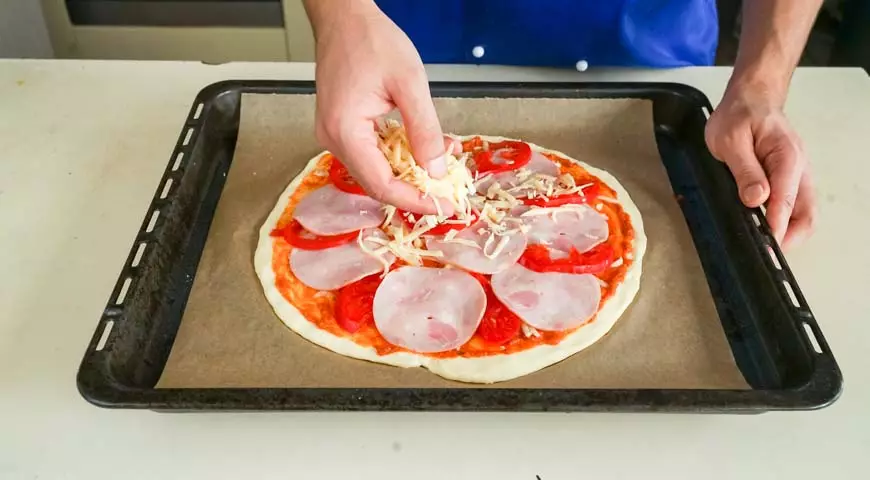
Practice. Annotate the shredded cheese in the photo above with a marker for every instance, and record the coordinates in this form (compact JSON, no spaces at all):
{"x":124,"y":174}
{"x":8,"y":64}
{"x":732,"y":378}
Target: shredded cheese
{"x":488,"y":243}
{"x":546,"y":186}
{"x":466,"y":242}
{"x":494,"y":208}
{"x":405,"y":246}
{"x":530,"y":331}
{"x":380,"y":256}
{"x":498,"y":248}
{"x":552,"y":210}
{"x":524,"y":173}
{"x":456,"y":185}
{"x":390,"y":210}
{"x":416,"y":233}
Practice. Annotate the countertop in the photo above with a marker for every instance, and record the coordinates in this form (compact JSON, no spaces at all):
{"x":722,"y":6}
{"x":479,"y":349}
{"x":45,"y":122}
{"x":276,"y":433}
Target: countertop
{"x":82,"y":146}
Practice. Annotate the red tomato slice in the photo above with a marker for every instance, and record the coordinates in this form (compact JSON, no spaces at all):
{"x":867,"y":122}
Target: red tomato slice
{"x":298,"y":237}
{"x":499,"y":325}
{"x":354,"y":303}
{"x":342,"y":179}
{"x":587,"y":195}
{"x":440,"y":229}
{"x":474,"y":143}
{"x":537,"y":258}
{"x":518,"y":155}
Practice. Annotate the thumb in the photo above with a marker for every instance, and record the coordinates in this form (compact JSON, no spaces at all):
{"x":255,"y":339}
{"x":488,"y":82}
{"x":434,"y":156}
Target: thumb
{"x":739,"y":154}
{"x":414,"y":102}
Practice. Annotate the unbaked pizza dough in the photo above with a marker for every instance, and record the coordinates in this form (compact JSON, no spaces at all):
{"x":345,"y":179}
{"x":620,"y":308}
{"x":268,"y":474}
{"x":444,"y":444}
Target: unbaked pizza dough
{"x":483,"y":369}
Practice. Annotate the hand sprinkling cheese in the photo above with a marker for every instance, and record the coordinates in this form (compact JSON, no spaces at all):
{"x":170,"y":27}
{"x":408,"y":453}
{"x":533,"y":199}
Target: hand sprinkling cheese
{"x":454,"y":187}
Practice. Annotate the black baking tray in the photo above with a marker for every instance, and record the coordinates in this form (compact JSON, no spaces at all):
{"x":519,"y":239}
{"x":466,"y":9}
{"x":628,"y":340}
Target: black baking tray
{"x":774,"y":336}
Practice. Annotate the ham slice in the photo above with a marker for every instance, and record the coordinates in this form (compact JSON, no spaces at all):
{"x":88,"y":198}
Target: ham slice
{"x":548,"y":301}
{"x":428,"y":310}
{"x":333,"y":268}
{"x":581,"y":227}
{"x":538,"y":164}
{"x":499,"y":254}
{"x":330,"y":211}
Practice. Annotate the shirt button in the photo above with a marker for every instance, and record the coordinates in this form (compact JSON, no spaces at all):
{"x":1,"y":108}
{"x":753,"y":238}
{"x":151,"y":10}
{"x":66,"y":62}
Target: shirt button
{"x":477,"y":52}
{"x":582,"y":65}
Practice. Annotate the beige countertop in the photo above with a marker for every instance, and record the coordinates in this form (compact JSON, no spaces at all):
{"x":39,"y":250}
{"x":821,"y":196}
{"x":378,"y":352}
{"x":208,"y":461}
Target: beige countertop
{"x":82,"y":146}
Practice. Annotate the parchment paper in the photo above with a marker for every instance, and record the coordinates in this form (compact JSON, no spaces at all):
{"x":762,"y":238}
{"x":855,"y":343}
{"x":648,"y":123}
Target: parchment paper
{"x":670,"y":337}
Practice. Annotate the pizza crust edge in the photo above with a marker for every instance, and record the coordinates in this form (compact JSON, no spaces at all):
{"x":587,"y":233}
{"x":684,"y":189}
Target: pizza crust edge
{"x":490,"y":369}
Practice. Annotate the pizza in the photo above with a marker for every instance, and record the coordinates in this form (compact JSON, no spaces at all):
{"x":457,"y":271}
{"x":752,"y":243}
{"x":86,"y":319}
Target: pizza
{"x":536,"y":260}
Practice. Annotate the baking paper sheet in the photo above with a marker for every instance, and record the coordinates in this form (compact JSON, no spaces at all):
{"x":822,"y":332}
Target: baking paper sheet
{"x":670,"y":337}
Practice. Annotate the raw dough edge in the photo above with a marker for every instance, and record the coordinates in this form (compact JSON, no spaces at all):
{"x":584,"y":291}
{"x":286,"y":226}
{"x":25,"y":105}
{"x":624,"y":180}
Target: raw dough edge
{"x":490,"y":369}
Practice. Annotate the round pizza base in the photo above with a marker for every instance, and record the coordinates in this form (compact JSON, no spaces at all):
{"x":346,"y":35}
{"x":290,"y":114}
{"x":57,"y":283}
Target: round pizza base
{"x":488,"y":369}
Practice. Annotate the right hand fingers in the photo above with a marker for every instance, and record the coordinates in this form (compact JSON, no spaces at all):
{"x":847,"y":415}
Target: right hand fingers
{"x":785,"y":165}
{"x":412,"y":98}
{"x":369,"y":167}
{"x":803,"y":217}
{"x":377,"y":178}
{"x":736,"y":149}
{"x":452,"y":146}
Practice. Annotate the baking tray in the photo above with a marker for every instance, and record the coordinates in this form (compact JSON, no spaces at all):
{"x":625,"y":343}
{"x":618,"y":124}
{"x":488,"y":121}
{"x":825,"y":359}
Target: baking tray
{"x":774,"y":337}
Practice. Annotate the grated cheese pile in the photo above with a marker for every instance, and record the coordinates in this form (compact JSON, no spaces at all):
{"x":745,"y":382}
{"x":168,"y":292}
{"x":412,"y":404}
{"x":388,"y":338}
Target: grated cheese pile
{"x":500,"y":211}
{"x":455,"y":187}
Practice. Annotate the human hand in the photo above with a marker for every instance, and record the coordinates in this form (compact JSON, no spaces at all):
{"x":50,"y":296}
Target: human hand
{"x":366,"y":67}
{"x":750,"y":133}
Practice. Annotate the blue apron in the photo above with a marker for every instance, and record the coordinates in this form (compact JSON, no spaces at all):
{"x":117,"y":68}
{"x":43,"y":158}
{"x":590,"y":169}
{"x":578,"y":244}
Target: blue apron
{"x":560,"y":33}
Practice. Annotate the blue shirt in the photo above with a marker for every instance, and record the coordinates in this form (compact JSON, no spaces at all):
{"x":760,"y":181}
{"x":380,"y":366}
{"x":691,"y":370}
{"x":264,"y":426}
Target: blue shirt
{"x":560,"y":33}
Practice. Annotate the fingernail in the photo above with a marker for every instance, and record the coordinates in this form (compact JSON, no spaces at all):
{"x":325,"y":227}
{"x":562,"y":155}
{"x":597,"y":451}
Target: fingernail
{"x":446,"y":207}
{"x":453,"y":146}
{"x":437,"y":167}
{"x":753,"y":193}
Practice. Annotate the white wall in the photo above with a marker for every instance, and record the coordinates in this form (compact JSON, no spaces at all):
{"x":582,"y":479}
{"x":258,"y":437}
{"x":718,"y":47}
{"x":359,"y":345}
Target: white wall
{"x":22,"y":30}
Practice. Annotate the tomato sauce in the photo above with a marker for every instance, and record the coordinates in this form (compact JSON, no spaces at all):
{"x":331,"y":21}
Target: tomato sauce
{"x":319,"y":307}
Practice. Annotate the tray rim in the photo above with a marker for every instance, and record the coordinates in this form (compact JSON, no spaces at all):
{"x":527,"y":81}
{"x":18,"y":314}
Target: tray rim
{"x":94,"y":383}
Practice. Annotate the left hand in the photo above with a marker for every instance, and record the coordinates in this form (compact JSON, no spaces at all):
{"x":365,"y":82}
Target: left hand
{"x":749,"y":132}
